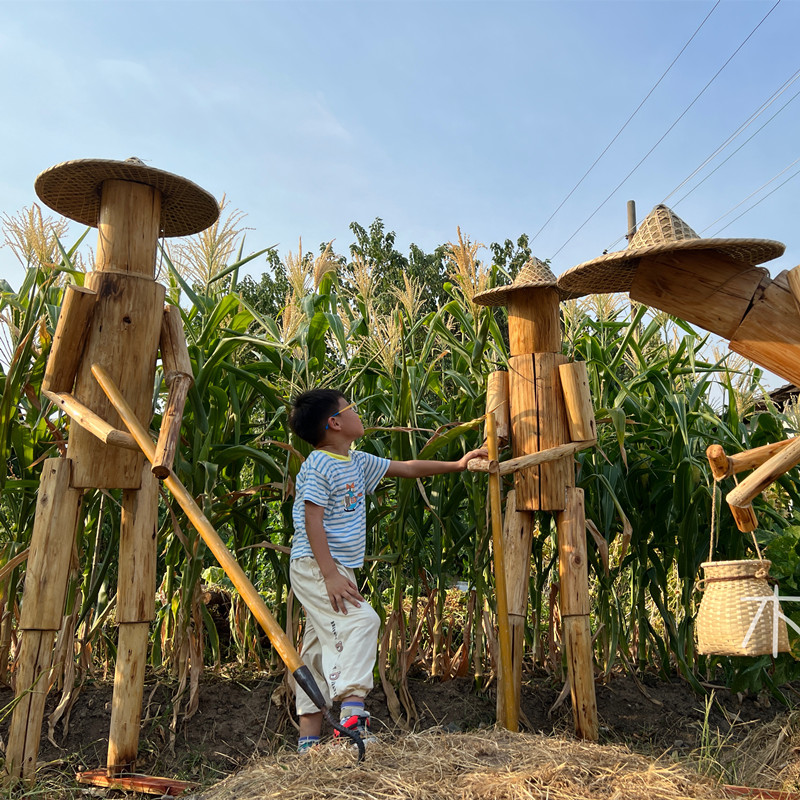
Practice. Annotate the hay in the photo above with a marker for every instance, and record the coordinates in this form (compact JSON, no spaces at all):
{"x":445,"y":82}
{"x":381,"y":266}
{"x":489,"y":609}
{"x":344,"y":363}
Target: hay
{"x":482,"y":765}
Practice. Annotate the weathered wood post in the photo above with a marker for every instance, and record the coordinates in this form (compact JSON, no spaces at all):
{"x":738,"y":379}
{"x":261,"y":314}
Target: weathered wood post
{"x":115,"y":322}
{"x":539,"y":422}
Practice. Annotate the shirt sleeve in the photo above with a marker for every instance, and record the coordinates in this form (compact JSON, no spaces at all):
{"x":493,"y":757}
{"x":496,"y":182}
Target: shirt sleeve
{"x":318,"y":487}
{"x":374,"y":469}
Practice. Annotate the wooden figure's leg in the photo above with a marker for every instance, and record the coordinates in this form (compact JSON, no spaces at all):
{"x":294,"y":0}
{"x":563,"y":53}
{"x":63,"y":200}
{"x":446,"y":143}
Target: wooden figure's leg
{"x":57,"y":510}
{"x":135,"y":609}
{"x":517,"y":536}
{"x":574,"y":578}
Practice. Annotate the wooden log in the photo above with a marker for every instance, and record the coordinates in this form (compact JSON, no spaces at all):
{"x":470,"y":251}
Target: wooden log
{"x":497,"y":401}
{"x":770,"y":333}
{"x":745,"y":518}
{"x":767,"y":473}
{"x":510,"y":715}
{"x":578,"y":401}
{"x":124,"y":340}
{"x":573,"y":558}
{"x":136,"y":583}
{"x":57,"y":508}
{"x":702,"y":287}
{"x":25,"y":731}
{"x":723,"y":465}
{"x":538,"y":422}
{"x":533,"y":460}
{"x":171,"y":425}
{"x":91,"y":422}
{"x":147,"y":784}
{"x":793,"y":279}
{"x":534,"y":323}
{"x":68,"y":341}
{"x":174,"y":353}
{"x":126,"y":703}
{"x":129,"y":225}
{"x":577,"y":636}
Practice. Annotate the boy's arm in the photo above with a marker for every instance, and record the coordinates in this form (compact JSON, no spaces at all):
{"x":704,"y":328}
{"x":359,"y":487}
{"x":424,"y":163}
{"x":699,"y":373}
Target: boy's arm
{"x":339,"y":588}
{"x":422,"y":469}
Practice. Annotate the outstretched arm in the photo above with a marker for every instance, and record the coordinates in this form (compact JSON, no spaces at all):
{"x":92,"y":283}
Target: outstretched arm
{"x":422,"y":469}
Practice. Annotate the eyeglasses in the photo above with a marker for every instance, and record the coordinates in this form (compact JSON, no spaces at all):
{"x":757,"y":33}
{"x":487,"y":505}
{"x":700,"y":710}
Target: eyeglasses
{"x":354,"y":406}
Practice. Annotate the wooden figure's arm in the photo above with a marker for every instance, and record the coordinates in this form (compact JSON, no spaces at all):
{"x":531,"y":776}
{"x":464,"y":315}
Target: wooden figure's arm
{"x":74,"y":320}
{"x":178,"y":375}
{"x":88,"y":420}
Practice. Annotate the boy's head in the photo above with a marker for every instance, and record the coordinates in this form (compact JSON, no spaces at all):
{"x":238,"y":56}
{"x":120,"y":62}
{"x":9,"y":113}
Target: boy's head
{"x":311,"y":411}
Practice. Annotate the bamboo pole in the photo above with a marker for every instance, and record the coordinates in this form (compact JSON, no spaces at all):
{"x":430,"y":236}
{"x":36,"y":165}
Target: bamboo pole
{"x":206,"y":530}
{"x":510,"y":711}
{"x":532,"y":460}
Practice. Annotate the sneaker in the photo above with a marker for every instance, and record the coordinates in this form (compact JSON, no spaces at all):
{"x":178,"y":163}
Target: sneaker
{"x":360,"y":723}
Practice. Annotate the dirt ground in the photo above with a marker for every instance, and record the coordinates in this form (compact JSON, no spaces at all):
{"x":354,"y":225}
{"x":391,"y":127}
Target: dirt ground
{"x":242,"y":716}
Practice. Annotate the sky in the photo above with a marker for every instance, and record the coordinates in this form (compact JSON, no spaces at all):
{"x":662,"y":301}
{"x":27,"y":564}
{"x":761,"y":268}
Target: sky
{"x":308,"y":116}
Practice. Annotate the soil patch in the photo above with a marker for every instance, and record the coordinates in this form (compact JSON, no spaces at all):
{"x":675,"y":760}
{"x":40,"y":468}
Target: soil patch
{"x":243,"y":716}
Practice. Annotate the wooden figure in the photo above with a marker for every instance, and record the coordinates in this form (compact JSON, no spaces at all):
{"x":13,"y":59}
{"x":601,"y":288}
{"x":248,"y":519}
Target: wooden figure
{"x":549,"y":405}
{"x":118,"y":321}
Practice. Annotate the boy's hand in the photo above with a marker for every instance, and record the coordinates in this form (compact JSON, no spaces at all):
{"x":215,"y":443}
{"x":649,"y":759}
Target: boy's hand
{"x":341,"y":589}
{"x":481,"y":452}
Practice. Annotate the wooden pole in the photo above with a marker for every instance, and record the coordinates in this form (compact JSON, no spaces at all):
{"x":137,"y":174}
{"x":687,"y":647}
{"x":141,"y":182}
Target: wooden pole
{"x":724,"y":465}
{"x":510,"y":718}
{"x":767,"y":473}
{"x":91,"y":422}
{"x":574,"y":582}
{"x":517,"y":539}
{"x":57,"y":509}
{"x":497,"y":401}
{"x":206,"y":530}
{"x":533,"y":460}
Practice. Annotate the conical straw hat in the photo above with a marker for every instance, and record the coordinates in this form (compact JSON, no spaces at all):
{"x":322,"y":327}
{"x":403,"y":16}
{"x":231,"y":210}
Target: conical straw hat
{"x":73,"y":190}
{"x":661,"y":231}
{"x":535,"y":274}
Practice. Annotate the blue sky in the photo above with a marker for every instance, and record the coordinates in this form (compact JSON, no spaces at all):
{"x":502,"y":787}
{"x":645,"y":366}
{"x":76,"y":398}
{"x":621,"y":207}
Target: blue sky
{"x":310,"y":115}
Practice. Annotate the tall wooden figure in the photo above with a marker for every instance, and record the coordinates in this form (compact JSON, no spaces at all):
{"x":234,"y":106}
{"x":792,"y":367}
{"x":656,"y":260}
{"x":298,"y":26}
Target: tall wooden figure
{"x":117,"y":320}
{"x":541,"y":435}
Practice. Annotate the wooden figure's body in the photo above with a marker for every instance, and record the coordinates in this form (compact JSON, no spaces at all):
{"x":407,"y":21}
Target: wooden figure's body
{"x":117,"y":322}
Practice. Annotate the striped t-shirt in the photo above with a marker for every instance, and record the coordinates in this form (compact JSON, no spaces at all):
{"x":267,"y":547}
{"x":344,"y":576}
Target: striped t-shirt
{"x":339,"y":484}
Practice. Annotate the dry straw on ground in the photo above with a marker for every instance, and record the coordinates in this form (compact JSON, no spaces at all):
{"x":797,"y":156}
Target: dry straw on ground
{"x":483,"y":765}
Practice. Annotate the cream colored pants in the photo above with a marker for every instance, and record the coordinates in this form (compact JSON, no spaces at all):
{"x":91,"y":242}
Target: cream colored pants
{"x":339,"y":649}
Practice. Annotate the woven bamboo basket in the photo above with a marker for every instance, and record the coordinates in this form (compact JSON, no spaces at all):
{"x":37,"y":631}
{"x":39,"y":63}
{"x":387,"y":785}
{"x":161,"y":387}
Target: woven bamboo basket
{"x":724,"y":617}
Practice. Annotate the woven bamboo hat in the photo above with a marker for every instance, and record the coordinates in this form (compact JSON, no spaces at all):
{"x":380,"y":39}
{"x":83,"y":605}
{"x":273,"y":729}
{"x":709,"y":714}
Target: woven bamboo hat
{"x":535,"y":274}
{"x":661,"y":231}
{"x":73,"y":190}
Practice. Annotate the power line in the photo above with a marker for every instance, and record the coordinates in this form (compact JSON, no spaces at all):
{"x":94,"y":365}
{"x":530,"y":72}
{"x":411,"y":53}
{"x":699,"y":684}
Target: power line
{"x":763,"y":186}
{"x":619,"y":132}
{"x":764,"y":106}
{"x":666,"y":133}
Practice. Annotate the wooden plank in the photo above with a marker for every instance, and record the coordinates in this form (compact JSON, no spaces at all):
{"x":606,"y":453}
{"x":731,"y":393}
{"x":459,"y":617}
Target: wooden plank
{"x":578,"y":401}
{"x":123,"y":339}
{"x":72,"y":328}
{"x":703,"y":287}
{"x":524,"y":428}
{"x":578,"y":647}
{"x":555,"y":476}
{"x":136,"y":583}
{"x":52,"y":540}
{"x":770,"y":333}
{"x":149,"y":784}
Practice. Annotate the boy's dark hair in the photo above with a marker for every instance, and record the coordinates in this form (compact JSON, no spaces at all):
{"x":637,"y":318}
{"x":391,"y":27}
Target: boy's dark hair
{"x":310,"y":412}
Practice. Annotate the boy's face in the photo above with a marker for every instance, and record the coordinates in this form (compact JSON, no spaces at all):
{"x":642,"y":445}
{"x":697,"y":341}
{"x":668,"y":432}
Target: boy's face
{"x":349,"y":421}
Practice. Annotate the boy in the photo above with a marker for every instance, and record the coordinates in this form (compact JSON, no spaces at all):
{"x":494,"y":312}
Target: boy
{"x":329,"y":514}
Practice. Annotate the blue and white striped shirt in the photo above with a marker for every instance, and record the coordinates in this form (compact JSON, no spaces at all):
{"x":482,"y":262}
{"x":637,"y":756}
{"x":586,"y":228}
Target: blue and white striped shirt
{"x":339,"y":484}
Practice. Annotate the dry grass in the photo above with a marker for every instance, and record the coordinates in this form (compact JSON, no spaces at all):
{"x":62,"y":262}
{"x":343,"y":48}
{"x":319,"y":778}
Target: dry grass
{"x":492,"y":764}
